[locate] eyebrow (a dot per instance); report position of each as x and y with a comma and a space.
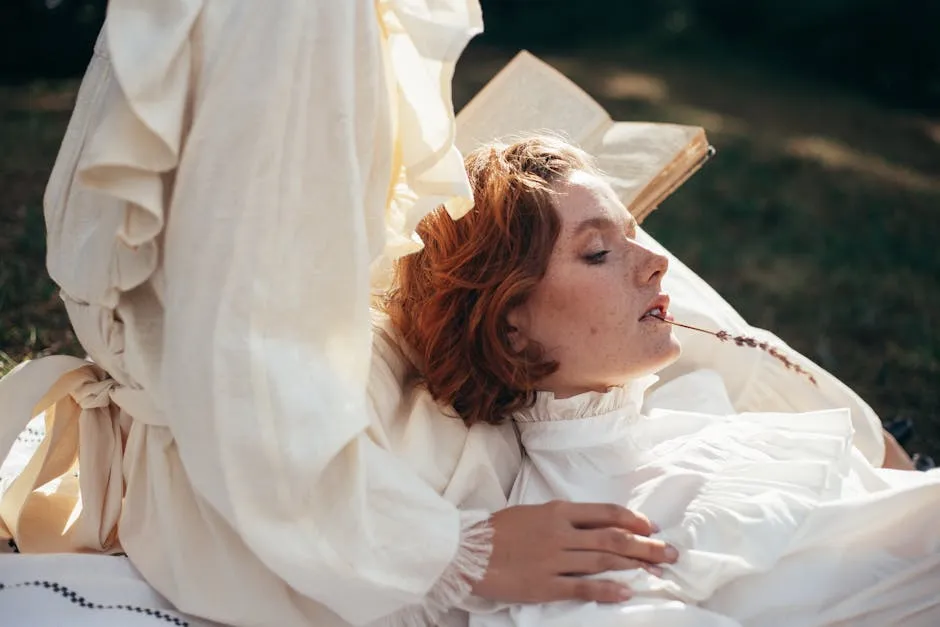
601, 223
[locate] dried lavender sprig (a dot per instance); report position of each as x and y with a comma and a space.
744, 340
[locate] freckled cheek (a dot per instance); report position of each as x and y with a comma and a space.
577, 306
615, 319
607, 303
558, 294
598, 324
580, 309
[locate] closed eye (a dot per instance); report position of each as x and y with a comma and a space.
596, 258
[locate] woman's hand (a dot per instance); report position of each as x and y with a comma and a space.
895, 455
539, 551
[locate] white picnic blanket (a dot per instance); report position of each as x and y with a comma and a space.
59, 590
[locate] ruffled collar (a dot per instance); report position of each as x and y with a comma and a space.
622, 398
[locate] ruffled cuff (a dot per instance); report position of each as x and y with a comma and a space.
453, 589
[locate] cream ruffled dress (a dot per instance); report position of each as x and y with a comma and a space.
778, 519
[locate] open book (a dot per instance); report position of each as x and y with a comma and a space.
644, 162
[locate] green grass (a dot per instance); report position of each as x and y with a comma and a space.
32, 319
817, 219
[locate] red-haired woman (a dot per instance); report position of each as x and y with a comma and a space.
544, 308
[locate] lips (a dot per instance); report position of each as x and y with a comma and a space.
657, 308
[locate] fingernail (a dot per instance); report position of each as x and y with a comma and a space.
655, 570
671, 553
625, 594
656, 528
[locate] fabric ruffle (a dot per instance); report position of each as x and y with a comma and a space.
626, 398
731, 492
135, 140
741, 492
770, 386
132, 112
105, 208
454, 586
424, 40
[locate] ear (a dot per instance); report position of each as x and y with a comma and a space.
518, 324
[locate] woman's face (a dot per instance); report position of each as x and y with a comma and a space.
589, 311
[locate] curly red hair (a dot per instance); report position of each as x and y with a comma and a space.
450, 301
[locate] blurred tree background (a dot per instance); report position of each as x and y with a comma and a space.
818, 218
887, 48
47, 38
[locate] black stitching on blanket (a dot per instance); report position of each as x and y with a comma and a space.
31, 436
81, 601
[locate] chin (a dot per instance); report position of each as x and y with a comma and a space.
670, 354
676, 348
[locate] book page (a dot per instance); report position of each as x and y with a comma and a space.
634, 155
671, 179
529, 95
643, 161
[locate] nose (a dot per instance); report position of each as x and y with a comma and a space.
654, 269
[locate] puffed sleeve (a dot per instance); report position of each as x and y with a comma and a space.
754, 379
273, 138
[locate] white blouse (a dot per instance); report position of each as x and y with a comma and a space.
777, 518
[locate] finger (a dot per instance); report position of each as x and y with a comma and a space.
624, 544
652, 569
596, 515
589, 590
594, 562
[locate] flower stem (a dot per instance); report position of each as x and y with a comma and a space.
744, 340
